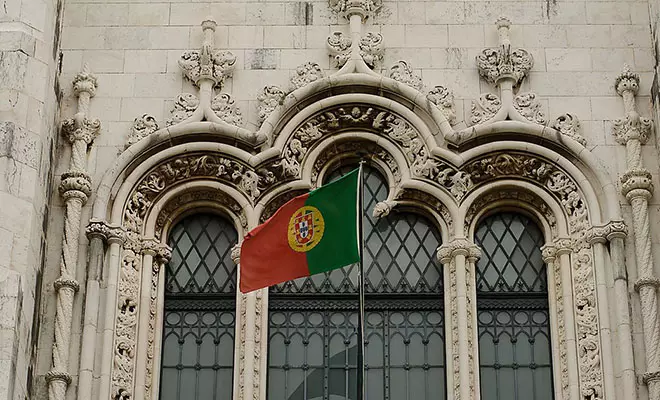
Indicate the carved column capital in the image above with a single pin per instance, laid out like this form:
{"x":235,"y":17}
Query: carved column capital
{"x":564,"y":246}
{"x":103,"y":230}
{"x":150,"y":246}
{"x":458,"y":246}
{"x":64,"y":282}
{"x":61,"y":376}
{"x":236,"y":253}
{"x":163,"y":253}
{"x":632,"y":127}
{"x":498,"y":63}
{"x":549,"y":253}
{"x":85,"y":129}
{"x":76,"y":184}
{"x":637,"y":183}
{"x":607,"y":232}
{"x":647,"y":281}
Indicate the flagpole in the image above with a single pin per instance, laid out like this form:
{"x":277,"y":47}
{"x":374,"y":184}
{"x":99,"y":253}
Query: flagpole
{"x":361,"y":371}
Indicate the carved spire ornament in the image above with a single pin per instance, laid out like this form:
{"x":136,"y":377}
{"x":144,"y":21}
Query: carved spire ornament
{"x":633,"y":131}
{"x":75,"y":188}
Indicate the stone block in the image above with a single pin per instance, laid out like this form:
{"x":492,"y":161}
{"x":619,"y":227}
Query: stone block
{"x":608,"y":12}
{"x":157,"y":85}
{"x":107,"y":14}
{"x":19,"y":144}
{"x":441,"y":12}
{"x":145,"y":61}
{"x":83,"y":38}
{"x":262,"y":59}
{"x":567,"y":60}
{"x":451,"y":58}
{"x":284,"y":37}
{"x":426,"y":35}
{"x":544,"y":36}
{"x":565,"y":13}
{"x":229,"y":13}
{"x":17,"y":41}
{"x":115,"y":85}
{"x":169,"y":37}
{"x":265,"y":13}
{"x":611,"y":59}
{"x":412,"y":13}
{"x":148,"y":14}
{"x":127,"y":38}
{"x":466,"y":36}
{"x":35,"y":12}
{"x":75,"y":14}
{"x":103,"y":61}
{"x":589,"y":35}
{"x":13,"y":69}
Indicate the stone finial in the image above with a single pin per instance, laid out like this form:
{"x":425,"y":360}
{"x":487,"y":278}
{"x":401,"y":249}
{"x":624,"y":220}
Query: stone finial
{"x":382,"y":209}
{"x":569,"y":125}
{"x":207,"y":63}
{"x":627,"y":81}
{"x":236,"y":253}
{"x":496,"y":64}
{"x":85,"y":82}
{"x":363,"y":8}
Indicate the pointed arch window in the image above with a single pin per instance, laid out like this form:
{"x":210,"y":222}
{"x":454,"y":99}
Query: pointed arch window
{"x":512,"y":310}
{"x":199,"y":314}
{"x":313,"y":321}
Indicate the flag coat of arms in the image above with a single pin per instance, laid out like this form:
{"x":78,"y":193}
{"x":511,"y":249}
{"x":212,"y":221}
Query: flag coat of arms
{"x":312,"y":233}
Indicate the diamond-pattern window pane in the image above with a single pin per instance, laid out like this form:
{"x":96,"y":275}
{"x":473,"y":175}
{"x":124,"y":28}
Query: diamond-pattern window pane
{"x":511,"y":258}
{"x":399,"y":251}
{"x":201,"y":256}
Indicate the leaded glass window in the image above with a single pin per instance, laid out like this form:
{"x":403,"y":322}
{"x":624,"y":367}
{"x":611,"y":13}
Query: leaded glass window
{"x":512,"y":310}
{"x":199,"y":315}
{"x":313,"y":321}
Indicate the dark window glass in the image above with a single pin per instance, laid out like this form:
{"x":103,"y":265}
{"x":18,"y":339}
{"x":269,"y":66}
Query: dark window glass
{"x":313,"y":321}
{"x":198,"y":332}
{"x":512,"y":310}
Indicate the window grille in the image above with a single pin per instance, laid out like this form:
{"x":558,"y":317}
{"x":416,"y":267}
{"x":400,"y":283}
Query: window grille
{"x":313,"y":321}
{"x":199,"y":315}
{"x":512,"y":310}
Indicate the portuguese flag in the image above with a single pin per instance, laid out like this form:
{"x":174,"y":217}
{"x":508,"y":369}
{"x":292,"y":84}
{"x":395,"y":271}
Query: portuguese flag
{"x":312,"y":233}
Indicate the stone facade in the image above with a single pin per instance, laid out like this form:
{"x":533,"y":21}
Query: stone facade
{"x":116,"y":117}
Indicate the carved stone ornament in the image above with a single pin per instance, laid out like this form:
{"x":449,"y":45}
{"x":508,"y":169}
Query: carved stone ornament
{"x":184,"y":107}
{"x":371,"y":48}
{"x":365,"y":8}
{"x":142,"y":127}
{"x":632,"y":126}
{"x":305,"y":74}
{"x":569,"y":125}
{"x":502,"y":62}
{"x":84,"y":129}
{"x":382,"y":209}
{"x":443,"y":98}
{"x":529,"y":107}
{"x":422,"y":198}
{"x":339,"y":45}
{"x":85,"y":82}
{"x":188,"y":166}
{"x":484,"y":108}
{"x":403,"y":72}
{"x":207,"y":63}
{"x":270,"y":97}
{"x":225,"y":108}
{"x":105,"y":231}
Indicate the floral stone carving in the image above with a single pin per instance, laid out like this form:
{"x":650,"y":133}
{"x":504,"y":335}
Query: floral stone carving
{"x":306,"y":74}
{"x":529,"y":107}
{"x":569,"y":125}
{"x":502,"y":62}
{"x":340,"y":46}
{"x":142,"y":127}
{"x":270,"y":97}
{"x":484,"y":108}
{"x":225,"y":108}
{"x":403,"y":72}
{"x":184,"y":107}
{"x":207,"y":63}
{"x":444,"y":99}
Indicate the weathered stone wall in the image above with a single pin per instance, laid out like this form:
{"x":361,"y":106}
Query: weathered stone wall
{"x":133,"y":47}
{"x":28,"y":118}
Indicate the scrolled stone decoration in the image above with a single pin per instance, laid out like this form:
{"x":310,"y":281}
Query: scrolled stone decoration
{"x":529,"y":107}
{"x":143,"y":126}
{"x":305,"y":74}
{"x":484,"y":108}
{"x":207,"y":63}
{"x":569,"y":125}
{"x":184,"y":107}
{"x":366,"y":8}
{"x":75,"y":188}
{"x":371,"y":48}
{"x":502,"y":62}
{"x":225,"y":108}
{"x":339,"y":45}
{"x":269,"y":99}
{"x":443,"y":98}
{"x":403,"y":72}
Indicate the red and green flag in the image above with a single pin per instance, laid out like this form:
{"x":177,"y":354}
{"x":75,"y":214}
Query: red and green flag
{"x":313,"y":233}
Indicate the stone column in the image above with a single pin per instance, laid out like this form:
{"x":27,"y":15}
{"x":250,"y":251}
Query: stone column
{"x":457,"y":256}
{"x":633,"y":131}
{"x":557,"y":325}
{"x":99,"y":233}
{"x":75,"y":189}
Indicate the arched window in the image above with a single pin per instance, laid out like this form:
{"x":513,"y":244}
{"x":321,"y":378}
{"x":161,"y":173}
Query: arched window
{"x":200,"y":291}
{"x":512,"y":310}
{"x":313,"y":321}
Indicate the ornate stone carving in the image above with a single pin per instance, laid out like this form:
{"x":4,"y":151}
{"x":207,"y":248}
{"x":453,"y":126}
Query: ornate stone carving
{"x":419,"y":197}
{"x":403,"y":72}
{"x":364,"y":8}
{"x":185,"y":167}
{"x":75,"y":189}
{"x":142,"y":127}
{"x":105,"y":231}
{"x":305,"y":74}
{"x":632,"y":126}
{"x":529,"y":107}
{"x":518,"y":196}
{"x":215,"y":196}
{"x":270,"y":97}
{"x":485,"y":108}
{"x":340,"y":46}
{"x":371,"y":48}
{"x":382,"y":209}
{"x":502,"y":62}
{"x":184,"y":107}
{"x":569,"y":125}
{"x":443,"y":98}
{"x":225,"y":108}
{"x":207,"y":63}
